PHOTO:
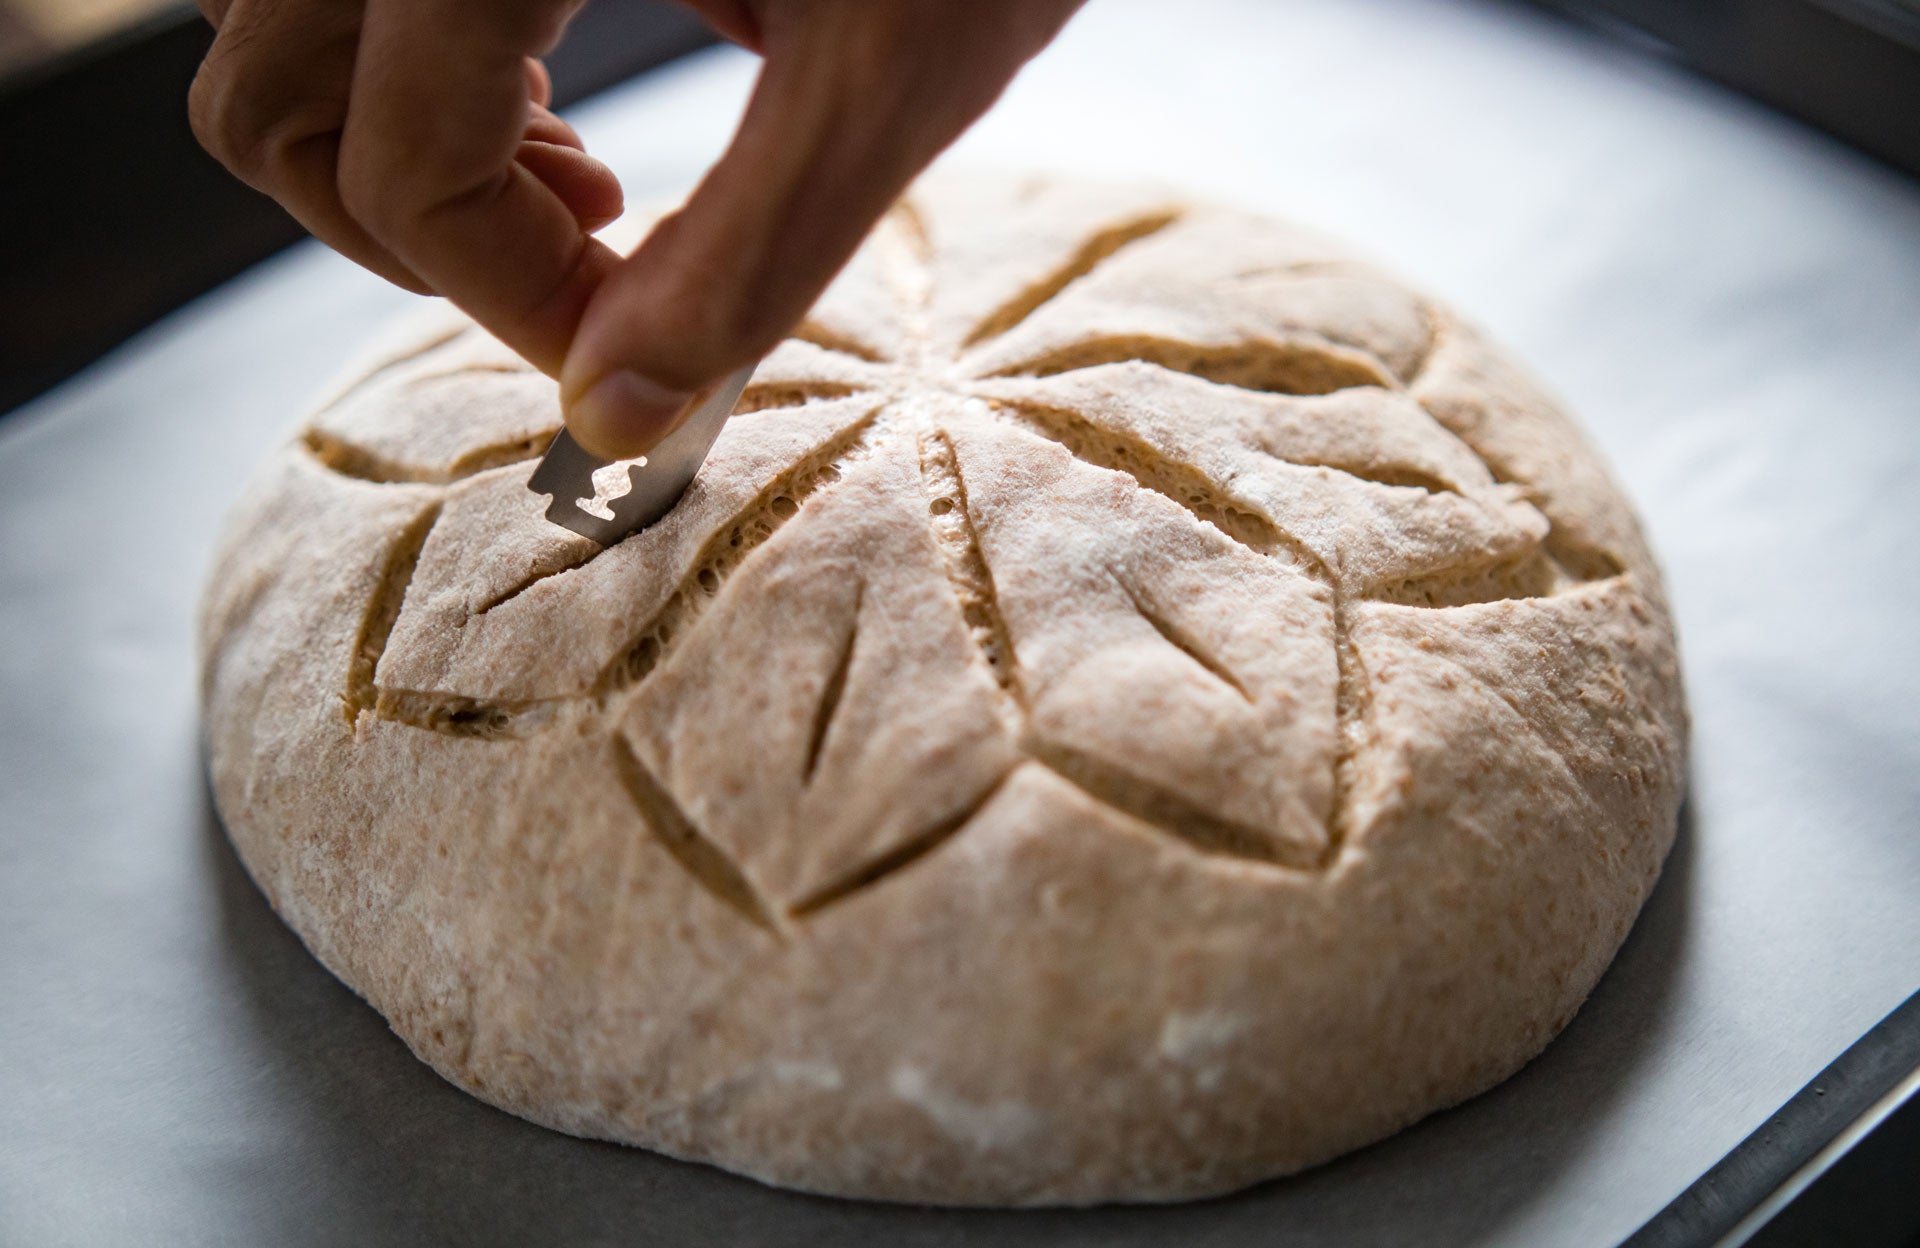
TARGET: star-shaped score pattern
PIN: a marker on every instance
(1088, 480)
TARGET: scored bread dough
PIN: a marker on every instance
(1135, 703)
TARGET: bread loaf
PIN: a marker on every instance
(1136, 702)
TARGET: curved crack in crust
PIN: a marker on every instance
(1168, 813)
(1090, 255)
(1180, 640)
(582, 554)
(901, 856)
(709, 866)
(1059, 420)
(820, 336)
(515, 366)
(1352, 703)
(1299, 366)
(1351, 692)
(1578, 561)
(1406, 478)
(452, 715)
(1192, 489)
(776, 396)
(348, 460)
(835, 687)
(967, 572)
(728, 547)
(1531, 574)
(383, 610)
(427, 346)
(1356, 268)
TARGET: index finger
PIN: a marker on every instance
(439, 103)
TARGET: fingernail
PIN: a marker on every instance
(624, 415)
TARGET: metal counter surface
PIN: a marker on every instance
(1730, 301)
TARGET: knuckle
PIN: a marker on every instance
(219, 122)
(374, 195)
(393, 185)
(250, 126)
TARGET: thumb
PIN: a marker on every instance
(843, 117)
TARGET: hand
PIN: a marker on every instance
(413, 136)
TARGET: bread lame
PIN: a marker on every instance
(655, 481)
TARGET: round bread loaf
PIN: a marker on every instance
(1135, 703)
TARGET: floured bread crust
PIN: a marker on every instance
(1137, 702)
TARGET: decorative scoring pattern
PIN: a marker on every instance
(914, 385)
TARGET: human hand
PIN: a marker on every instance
(413, 136)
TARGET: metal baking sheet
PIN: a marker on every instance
(1731, 301)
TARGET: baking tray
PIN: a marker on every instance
(1731, 301)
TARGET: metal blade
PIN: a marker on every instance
(657, 481)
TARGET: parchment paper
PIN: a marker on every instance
(1731, 301)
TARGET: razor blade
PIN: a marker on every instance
(655, 481)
